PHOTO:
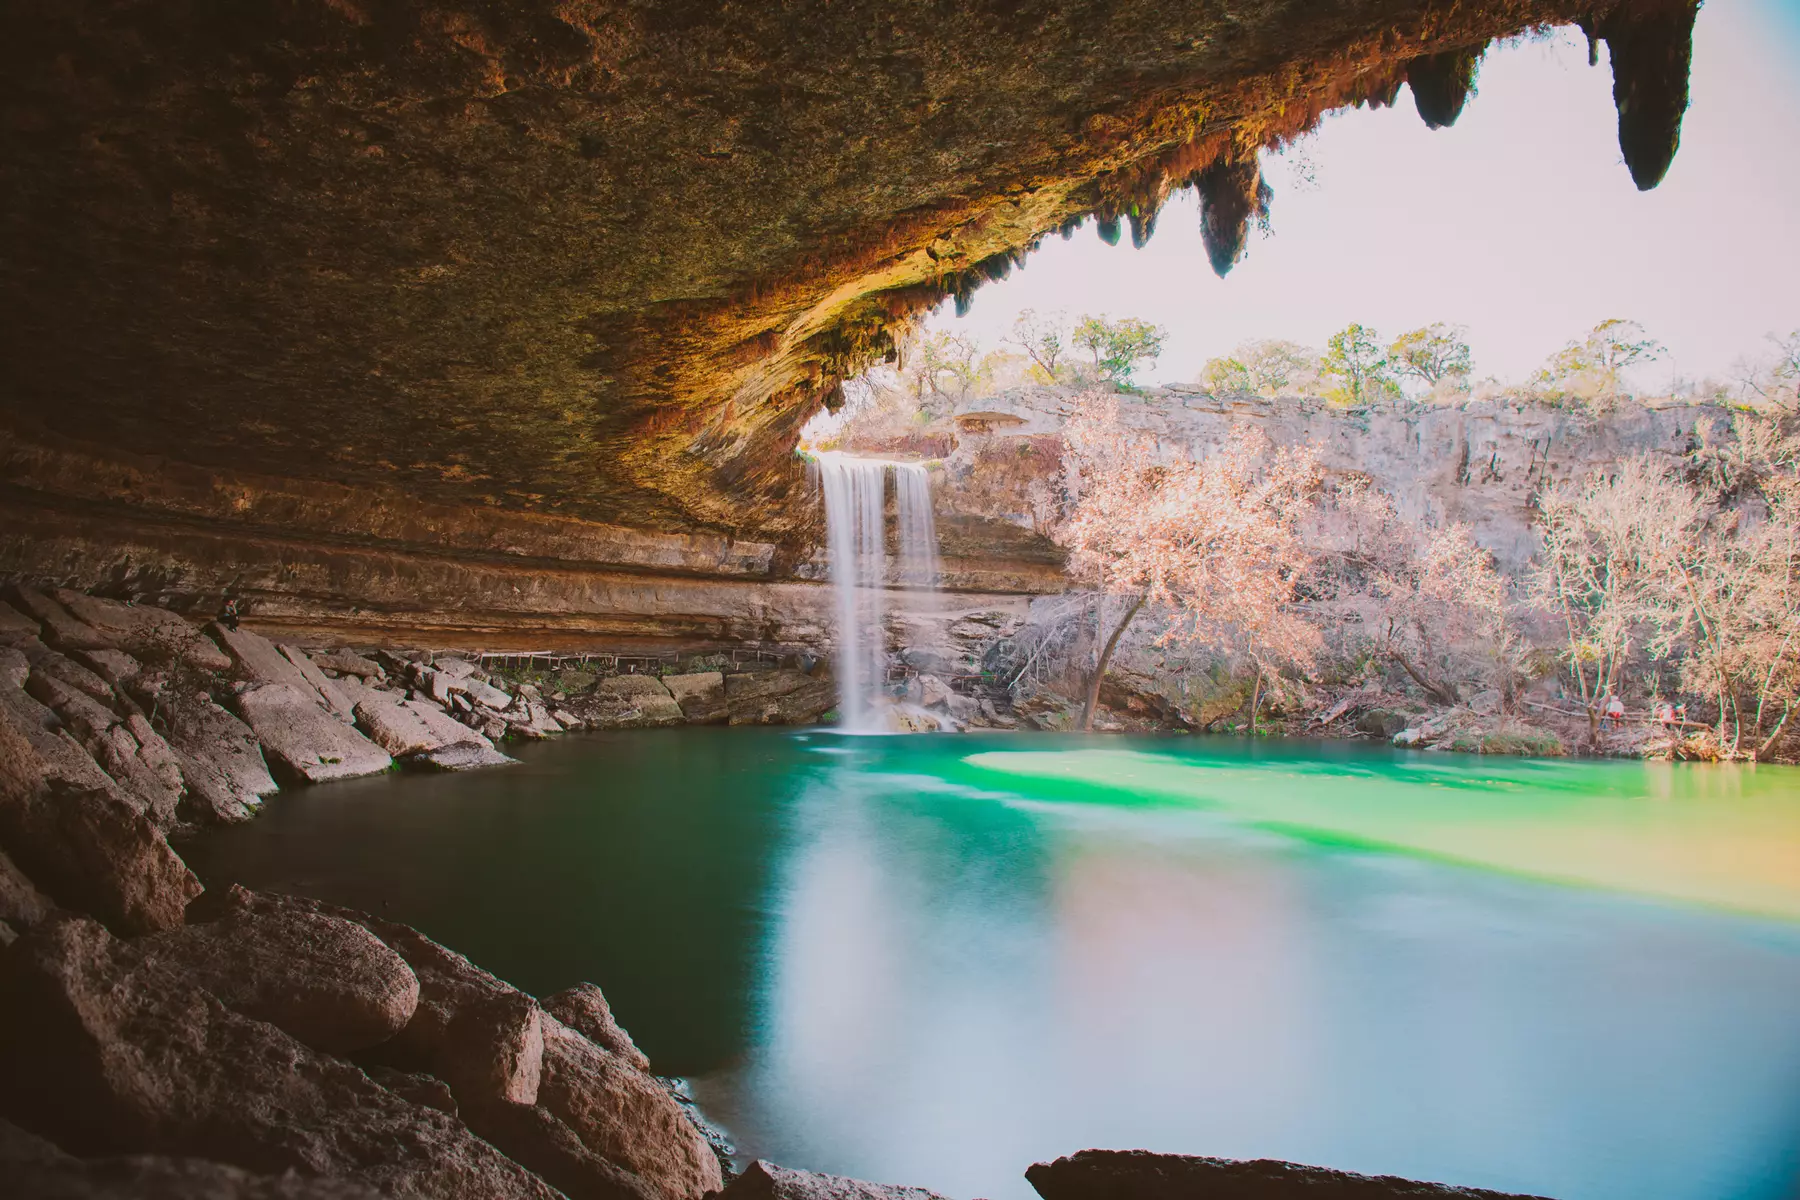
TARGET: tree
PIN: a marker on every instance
(1428, 600)
(1044, 341)
(1592, 368)
(1214, 542)
(1611, 547)
(1432, 354)
(1226, 377)
(1355, 358)
(1775, 380)
(1733, 601)
(1274, 366)
(1118, 347)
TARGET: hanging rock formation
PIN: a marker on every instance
(590, 265)
(1652, 48)
(1232, 194)
(1441, 84)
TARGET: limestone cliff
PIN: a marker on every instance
(597, 259)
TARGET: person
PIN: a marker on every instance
(1681, 713)
(229, 617)
(1665, 713)
(1615, 711)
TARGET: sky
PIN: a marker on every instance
(1520, 222)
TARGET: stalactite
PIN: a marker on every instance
(1143, 225)
(1652, 51)
(1107, 226)
(1441, 84)
(1232, 193)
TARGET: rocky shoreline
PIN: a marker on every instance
(158, 1040)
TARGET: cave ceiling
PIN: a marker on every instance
(604, 259)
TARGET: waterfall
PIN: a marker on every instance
(918, 529)
(856, 547)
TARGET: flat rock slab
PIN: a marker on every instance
(258, 658)
(1141, 1175)
(15, 626)
(221, 762)
(393, 726)
(462, 757)
(304, 739)
(145, 627)
(327, 691)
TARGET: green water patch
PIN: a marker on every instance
(1720, 836)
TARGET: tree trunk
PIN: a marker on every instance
(1769, 743)
(1112, 643)
(1442, 693)
(1255, 702)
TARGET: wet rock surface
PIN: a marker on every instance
(1141, 1175)
(765, 1181)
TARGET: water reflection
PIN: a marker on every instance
(896, 963)
(956, 988)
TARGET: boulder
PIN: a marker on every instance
(416, 728)
(932, 690)
(58, 756)
(148, 777)
(95, 855)
(627, 702)
(220, 761)
(15, 626)
(303, 738)
(15, 668)
(781, 697)
(73, 830)
(536, 1139)
(21, 904)
(1381, 722)
(119, 1054)
(327, 691)
(700, 694)
(416, 1086)
(455, 668)
(764, 1181)
(477, 1034)
(1141, 1175)
(446, 729)
(486, 695)
(584, 1009)
(32, 1167)
(624, 1115)
(327, 981)
(345, 662)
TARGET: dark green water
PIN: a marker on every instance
(935, 960)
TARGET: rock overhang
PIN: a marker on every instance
(602, 259)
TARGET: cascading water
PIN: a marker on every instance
(856, 545)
